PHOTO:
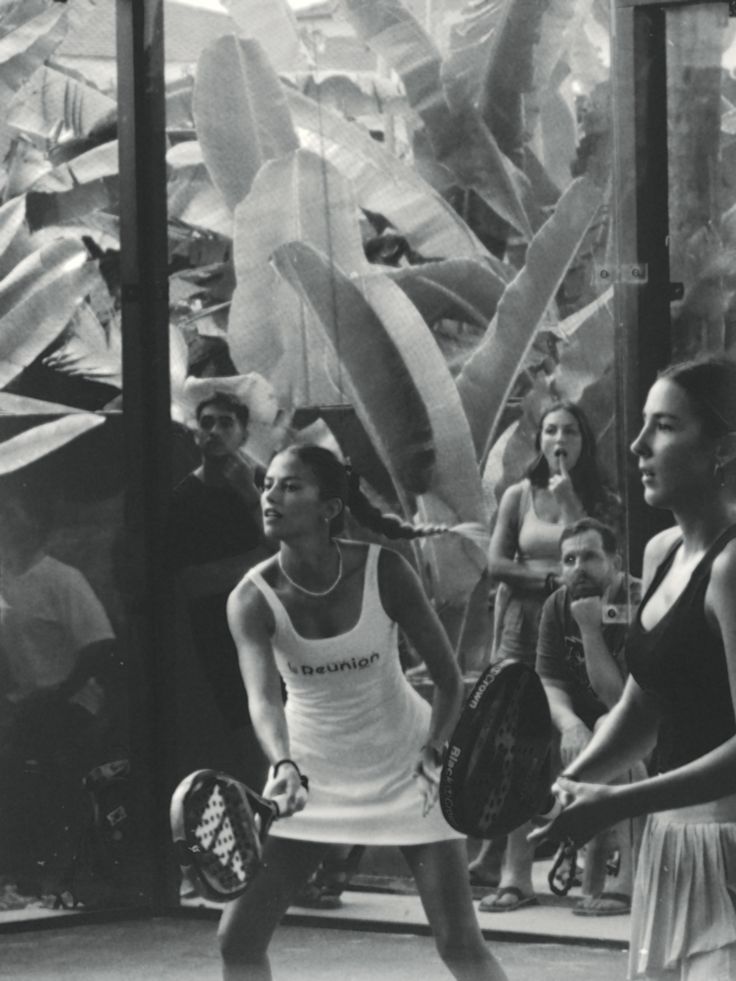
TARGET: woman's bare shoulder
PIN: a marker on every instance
(656, 548)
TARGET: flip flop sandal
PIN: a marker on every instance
(589, 907)
(493, 904)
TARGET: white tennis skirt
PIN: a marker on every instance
(683, 915)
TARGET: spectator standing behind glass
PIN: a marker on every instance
(562, 485)
(681, 691)
(216, 536)
(580, 659)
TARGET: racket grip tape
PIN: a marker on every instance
(280, 802)
(552, 807)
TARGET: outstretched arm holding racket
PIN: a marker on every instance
(251, 624)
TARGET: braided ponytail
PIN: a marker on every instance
(335, 479)
(389, 525)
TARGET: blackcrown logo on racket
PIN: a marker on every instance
(496, 774)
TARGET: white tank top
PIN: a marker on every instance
(356, 728)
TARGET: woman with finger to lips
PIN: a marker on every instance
(561, 485)
(680, 696)
(324, 613)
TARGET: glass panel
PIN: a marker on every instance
(68, 834)
(377, 231)
(701, 96)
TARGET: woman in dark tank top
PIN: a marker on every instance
(680, 696)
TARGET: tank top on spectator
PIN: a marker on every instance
(538, 540)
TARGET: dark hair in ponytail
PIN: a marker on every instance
(710, 384)
(335, 479)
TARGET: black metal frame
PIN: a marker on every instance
(641, 229)
(146, 408)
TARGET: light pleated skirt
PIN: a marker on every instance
(683, 915)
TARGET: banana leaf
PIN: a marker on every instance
(453, 289)
(461, 140)
(23, 405)
(92, 165)
(510, 73)
(56, 103)
(39, 441)
(587, 351)
(297, 197)
(240, 114)
(191, 196)
(38, 299)
(89, 349)
(407, 403)
(29, 34)
(385, 185)
(12, 214)
(488, 377)
(469, 43)
(273, 23)
(383, 392)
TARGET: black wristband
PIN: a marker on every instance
(302, 779)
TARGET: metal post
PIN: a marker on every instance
(146, 407)
(643, 328)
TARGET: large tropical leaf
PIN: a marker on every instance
(192, 197)
(453, 289)
(29, 33)
(56, 104)
(458, 135)
(510, 73)
(240, 114)
(37, 300)
(89, 349)
(76, 188)
(12, 214)
(385, 185)
(470, 40)
(23, 405)
(297, 197)
(488, 377)
(273, 23)
(405, 399)
(383, 392)
(39, 441)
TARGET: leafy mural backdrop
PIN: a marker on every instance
(427, 257)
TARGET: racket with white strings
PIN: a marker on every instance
(219, 827)
(496, 773)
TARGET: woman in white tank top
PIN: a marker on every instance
(324, 614)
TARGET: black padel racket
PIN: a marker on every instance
(219, 826)
(497, 770)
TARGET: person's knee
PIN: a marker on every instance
(239, 945)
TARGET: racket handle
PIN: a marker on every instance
(281, 806)
(552, 807)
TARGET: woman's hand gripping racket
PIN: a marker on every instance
(219, 827)
(497, 772)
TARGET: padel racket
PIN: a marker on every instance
(219, 826)
(496, 773)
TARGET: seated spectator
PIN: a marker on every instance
(580, 661)
(56, 647)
